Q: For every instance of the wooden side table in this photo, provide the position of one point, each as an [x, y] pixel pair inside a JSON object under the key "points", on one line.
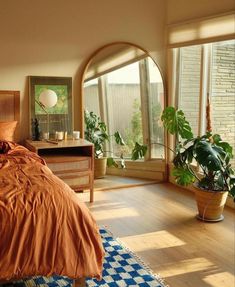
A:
{"points": [[71, 160]]}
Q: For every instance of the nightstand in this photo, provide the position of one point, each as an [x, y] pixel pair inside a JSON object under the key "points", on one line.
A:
{"points": [[71, 160]]}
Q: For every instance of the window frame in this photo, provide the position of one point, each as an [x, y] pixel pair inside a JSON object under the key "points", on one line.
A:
{"points": [[144, 90], [205, 85]]}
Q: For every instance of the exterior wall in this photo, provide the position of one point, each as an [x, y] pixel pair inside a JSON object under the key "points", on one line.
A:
{"points": [[122, 98], [189, 88], [223, 92]]}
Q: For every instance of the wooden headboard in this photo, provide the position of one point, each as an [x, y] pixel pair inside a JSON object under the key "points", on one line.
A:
{"points": [[10, 108]]}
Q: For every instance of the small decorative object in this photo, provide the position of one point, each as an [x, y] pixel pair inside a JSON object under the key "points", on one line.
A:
{"points": [[47, 99], [45, 135], [76, 135], [65, 136], [35, 130], [59, 136]]}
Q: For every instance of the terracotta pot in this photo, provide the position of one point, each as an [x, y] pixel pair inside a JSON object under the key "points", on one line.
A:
{"points": [[100, 167], [210, 204]]}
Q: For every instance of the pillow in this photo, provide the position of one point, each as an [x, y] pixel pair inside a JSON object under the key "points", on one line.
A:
{"points": [[7, 130]]}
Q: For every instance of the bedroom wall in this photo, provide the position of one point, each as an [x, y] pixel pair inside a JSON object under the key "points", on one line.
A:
{"points": [[56, 37], [183, 10]]}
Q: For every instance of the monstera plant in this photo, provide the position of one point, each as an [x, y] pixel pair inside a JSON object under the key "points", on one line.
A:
{"points": [[214, 175]]}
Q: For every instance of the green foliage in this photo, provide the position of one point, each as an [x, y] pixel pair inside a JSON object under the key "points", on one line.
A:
{"points": [[209, 155], [96, 133], [134, 133], [139, 151], [210, 152], [183, 176], [176, 124]]}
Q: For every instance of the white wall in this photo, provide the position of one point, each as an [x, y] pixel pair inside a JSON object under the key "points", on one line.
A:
{"points": [[56, 37]]}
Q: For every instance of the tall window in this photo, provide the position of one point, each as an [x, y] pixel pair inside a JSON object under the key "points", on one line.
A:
{"points": [[130, 100], [91, 96], [124, 106], [223, 90], [208, 70], [189, 83], [155, 108]]}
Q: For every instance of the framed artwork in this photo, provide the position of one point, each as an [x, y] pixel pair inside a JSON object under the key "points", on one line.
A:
{"points": [[53, 116]]}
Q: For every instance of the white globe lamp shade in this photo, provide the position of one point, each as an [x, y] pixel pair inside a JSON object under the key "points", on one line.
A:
{"points": [[48, 98]]}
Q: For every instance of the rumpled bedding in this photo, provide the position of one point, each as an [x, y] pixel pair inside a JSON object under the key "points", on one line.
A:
{"points": [[44, 228]]}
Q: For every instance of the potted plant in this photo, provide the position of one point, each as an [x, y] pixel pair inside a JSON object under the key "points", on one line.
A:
{"points": [[214, 179], [96, 132]]}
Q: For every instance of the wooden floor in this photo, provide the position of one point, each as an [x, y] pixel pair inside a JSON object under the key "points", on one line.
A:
{"points": [[158, 223]]}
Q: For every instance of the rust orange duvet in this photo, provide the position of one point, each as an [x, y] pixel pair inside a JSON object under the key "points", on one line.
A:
{"points": [[44, 228]]}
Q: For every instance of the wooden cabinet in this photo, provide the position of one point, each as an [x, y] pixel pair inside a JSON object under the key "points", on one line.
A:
{"points": [[71, 160]]}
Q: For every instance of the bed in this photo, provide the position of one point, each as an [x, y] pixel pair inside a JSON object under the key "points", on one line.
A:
{"points": [[44, 228]]}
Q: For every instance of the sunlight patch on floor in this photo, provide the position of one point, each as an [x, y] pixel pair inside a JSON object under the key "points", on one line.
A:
{"points": [[186, 266], [115, 213], [154, 240], [220, 279]]}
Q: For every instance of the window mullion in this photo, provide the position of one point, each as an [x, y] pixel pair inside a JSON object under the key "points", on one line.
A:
{"points": [[104, 106], [144, 92], [204, 82]]}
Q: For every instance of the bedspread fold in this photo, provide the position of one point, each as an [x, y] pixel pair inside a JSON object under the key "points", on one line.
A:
{"points": [[44, 228]]}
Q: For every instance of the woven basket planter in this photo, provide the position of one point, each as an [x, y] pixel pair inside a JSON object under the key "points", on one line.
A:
{"points": [[100, 167], [210, 204]]}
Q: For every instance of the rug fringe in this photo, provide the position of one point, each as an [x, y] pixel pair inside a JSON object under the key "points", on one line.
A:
{"points": [[138, 258]]}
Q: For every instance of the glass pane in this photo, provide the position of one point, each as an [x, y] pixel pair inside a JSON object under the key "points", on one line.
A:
{"points": [[156, 105], [91, 96], [223, 91], [189, 84], [124, 107]]}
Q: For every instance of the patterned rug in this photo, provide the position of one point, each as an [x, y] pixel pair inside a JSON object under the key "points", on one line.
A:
{"points": [[122, 268]]}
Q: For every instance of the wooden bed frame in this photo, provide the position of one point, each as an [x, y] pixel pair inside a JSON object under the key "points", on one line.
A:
{"points": [[10, 111]]}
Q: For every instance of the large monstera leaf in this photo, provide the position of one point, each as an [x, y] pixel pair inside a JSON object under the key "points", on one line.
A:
{"points": [[176, 124], [210, 155], [183, 176], [139, 151], [224, 145]]}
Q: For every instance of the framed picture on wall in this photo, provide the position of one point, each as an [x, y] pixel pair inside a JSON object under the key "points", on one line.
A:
{"points": [[50, 106]]}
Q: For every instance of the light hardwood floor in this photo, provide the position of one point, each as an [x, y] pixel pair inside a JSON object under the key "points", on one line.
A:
{"points": [[158, 223]]}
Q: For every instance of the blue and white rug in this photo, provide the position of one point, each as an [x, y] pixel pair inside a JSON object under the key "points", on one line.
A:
{"points": [[121, 269]]}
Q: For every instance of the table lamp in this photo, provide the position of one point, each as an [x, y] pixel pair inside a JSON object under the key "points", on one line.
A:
{"points": [[47, 99]]}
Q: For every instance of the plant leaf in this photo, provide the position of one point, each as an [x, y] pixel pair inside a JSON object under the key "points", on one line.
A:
{"points": [[224, 145], [183, 176], [111, 162], [209, 155], [118, 138], [176, 124], [139, 151]]}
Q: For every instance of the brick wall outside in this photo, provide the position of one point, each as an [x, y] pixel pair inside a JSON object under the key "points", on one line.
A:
{"points": [[223, 91], [222, 88], [189, 84]]}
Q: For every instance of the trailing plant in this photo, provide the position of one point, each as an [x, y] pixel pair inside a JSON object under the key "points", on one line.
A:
{"points": [[96, 133], [210, 152]]}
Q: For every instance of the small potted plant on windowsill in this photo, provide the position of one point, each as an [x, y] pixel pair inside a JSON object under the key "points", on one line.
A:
{"points": [[96, 133], [215, 178]]}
